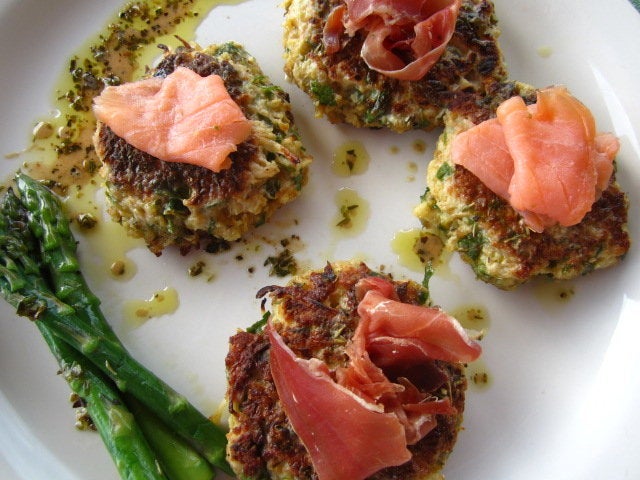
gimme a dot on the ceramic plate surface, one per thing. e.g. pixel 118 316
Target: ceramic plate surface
pixel 564 386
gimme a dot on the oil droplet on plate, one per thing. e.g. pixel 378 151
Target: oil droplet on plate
pixel 106 239
pixel 351 158
pixel 475 319
pixel 110 242
pixel 429 248
pixel 419 146
pixel 472 317
pixel 416 249
pixel 553 294
pixel 353 213
pixel 137 312
pixel 544 51
pixel 403 245
pixel 478 376
pixel 81 200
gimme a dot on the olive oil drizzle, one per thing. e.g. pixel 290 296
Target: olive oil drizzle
pixel 353 213
pixel 350 158
pixel 61 150
pixel 138 312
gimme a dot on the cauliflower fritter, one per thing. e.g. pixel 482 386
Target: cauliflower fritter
pixel 168 203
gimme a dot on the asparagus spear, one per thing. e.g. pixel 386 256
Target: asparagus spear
pixel 178 459
pixel 58 251
pixel 47 221
pixel 119 429
pixel 58 246
pixel 120 433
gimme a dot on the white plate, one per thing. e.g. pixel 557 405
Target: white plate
pixel 563 398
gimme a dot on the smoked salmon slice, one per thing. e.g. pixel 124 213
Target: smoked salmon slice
pixel 546 159
pixel 483 151
pixel 182 118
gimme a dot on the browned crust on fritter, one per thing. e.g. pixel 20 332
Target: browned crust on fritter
pixel 146 174
pixel 460 81
pixel 494 239
pixel 183 205
pixel 604 226
pixel 264 436
pixel 203 65
pixel 321 315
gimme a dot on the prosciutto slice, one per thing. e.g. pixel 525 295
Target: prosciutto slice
pixel 430 330
pixel 345 436
pixel 404 38
pixel 370 410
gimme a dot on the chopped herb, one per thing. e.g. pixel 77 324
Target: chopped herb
pixel 272 187
pixel 347 212
pixel 298 181
pixel 196 269
pixel 428 273
pixel 323 93
pixel 351 159
pixel 261 220
pixel 471 244
pixel 423 297
pixel 217 245
pixel 66 147
pixel 260 324
pixel 480 378
pixel 269 90
pixel 566 294
pixel 282 264
pixel 90 166
pixel 444 171
pixel 379 107
pixel 175 207
pixel 228 47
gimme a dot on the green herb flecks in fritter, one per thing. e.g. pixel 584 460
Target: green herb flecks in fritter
pixel 184 205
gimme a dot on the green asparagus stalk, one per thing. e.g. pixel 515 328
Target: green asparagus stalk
pixel 128 374
pixel 58 251
pixel 49 224
pixel 119 429
pixel 120 433
pixel 179 460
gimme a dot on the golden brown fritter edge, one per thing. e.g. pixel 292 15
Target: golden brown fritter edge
pixel 493 238
pixel 345 90
pixel 188 206
pixel 316 315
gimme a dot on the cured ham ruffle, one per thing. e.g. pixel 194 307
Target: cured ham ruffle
pixel 182 118
pixel 331 421
pixel 545 159
pixel 370 410
pixel 404 38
